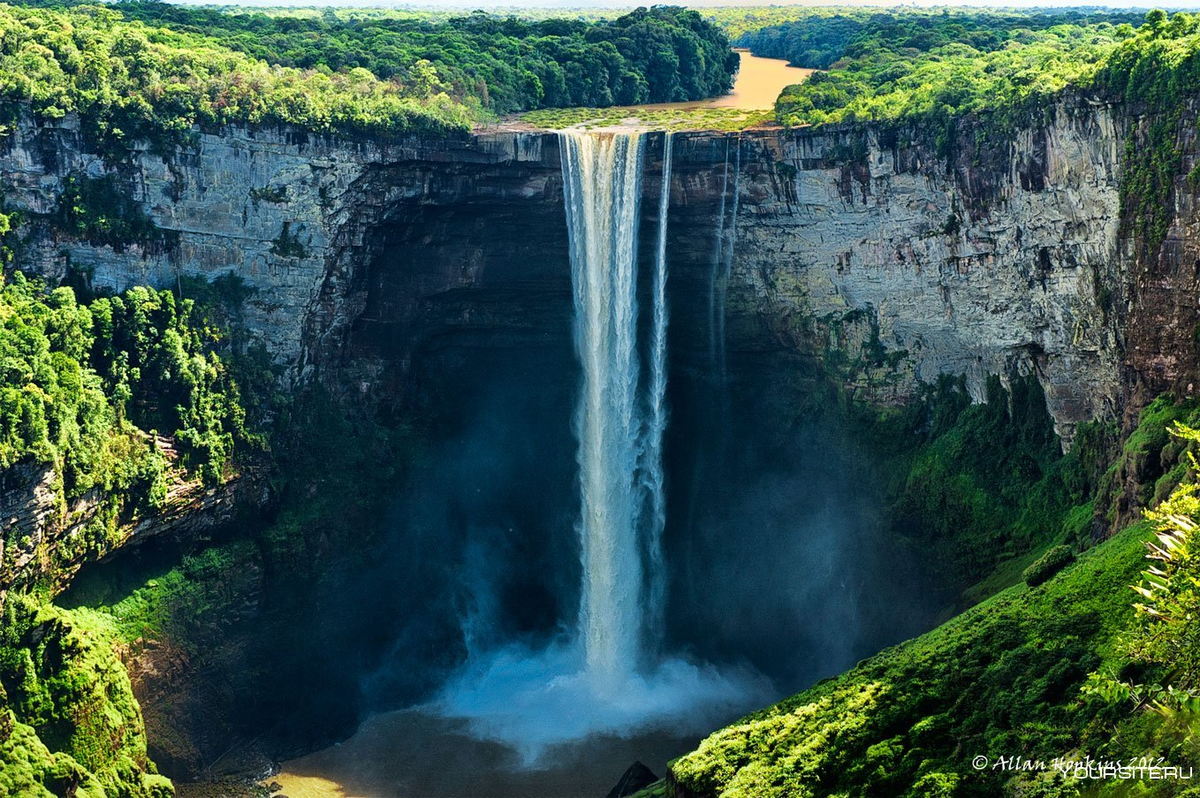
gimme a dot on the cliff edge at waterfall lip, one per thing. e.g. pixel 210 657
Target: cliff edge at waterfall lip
pixel 614 121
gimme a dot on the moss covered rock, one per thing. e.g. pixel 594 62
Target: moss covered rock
pixel 1046 566
pixel 70 724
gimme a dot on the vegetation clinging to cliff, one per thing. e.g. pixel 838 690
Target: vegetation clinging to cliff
pixel 982 489
pixel 98 211
pixel 84 385
pixel 79 377
pixel 1156 72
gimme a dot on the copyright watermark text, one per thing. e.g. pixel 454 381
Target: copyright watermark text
pixel 1086 768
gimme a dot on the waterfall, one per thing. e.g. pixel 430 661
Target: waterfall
pixel 656 423
pixel 620 436
pixel 602 188
pixel 718 259
pixel 603 680
pixel 726 263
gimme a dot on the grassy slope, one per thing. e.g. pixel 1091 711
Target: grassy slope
pixel 1003 678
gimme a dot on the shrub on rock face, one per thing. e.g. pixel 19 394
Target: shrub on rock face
pixel 1048 565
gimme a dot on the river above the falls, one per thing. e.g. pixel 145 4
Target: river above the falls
pixel 758 84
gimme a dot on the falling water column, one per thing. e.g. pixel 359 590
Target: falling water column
pixel 656 421
pixel 602 188
pixel 729 241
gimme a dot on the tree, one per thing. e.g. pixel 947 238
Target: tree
pixel 1165 646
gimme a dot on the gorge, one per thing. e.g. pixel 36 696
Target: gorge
pixel 438 278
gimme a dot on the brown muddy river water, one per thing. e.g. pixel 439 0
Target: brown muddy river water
pixel 758 84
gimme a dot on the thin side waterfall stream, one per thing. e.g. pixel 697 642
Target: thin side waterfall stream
pixel 607 677
pixel 656 422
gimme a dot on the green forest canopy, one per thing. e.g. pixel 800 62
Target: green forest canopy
pixel 936 66
pixel 662 54
pixel 155 70
pixel 818 38
pixel 939 65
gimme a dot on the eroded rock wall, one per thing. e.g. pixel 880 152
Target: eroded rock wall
pixel 907 266
pixel 47 538
pixel 261 204
pixel 382 268
pixel 860 242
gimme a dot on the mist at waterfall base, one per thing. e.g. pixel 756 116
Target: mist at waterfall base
pixel 604 677
pixel 773 571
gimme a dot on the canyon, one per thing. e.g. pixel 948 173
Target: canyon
pixel 417 275
pixel 367 258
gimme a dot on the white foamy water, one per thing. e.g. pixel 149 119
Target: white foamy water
pixel 602 190
pixel 534 700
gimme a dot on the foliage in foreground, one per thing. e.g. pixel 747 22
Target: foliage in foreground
pixel 1003 679
pixel 1165 643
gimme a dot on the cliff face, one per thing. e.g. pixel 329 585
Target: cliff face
pixel 868 253
pixel 263 206
pixel 1163 324
pixel 47 539
pixel 913 267
pixel 390 271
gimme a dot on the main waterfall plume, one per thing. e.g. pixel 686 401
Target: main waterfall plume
pixel 609 677
pixel 602 189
